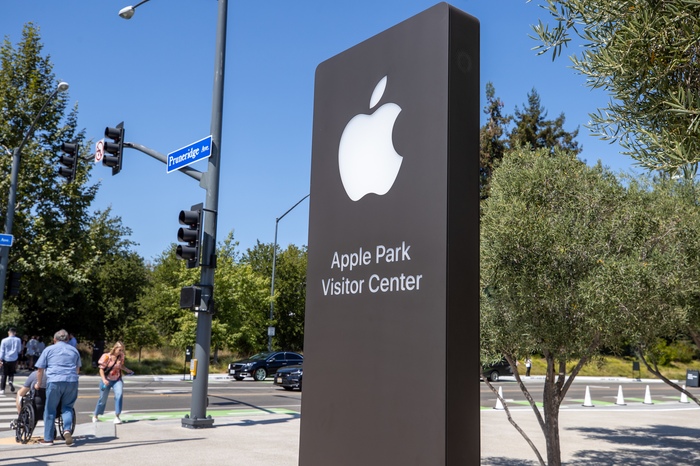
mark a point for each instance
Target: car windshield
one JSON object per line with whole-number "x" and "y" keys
{"x": 260, "y": 356}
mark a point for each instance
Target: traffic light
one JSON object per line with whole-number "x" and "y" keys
{"x": 15, "y": 282}
{"x": 191, "y": 235}
{"x": 69, "y": 161}
{"x": 115, "y": 148}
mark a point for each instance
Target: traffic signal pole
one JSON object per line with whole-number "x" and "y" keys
{"x": 210, "y": 182}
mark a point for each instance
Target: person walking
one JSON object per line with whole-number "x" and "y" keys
{"x": 40, "y": 345}
{"x": 528, "y": 366}
{"x": 22, "y": 361}
{"x": 72, "y": 341}
{"x": 10, "y": 349}
{"x": 60, "y": 363}
{"x": 111, "y": 366}
{"x": 31, "y": 352}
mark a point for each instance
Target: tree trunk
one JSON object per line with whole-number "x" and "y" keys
{"x": 139, "y": 355}
{"x": 695, "y": 336}
{"x": 550, "y": 402}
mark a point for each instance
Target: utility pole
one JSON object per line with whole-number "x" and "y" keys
{"x": 210, "y": 181}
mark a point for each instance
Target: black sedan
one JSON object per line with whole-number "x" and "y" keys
{"x": 495, "y": 371}
{"x": 289, "y": 378}
{"x": 263, "y": 364}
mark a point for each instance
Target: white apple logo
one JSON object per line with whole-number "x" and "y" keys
{"x": 367, "y": 159}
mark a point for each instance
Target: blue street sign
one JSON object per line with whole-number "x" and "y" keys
{"x": 189, "y": 154}
{"x": 6, "y": 240}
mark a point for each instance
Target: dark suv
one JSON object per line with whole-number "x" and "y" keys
{"x": 263, "y": 364}
{"x": 495, "y": 371}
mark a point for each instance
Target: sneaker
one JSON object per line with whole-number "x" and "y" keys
{"x": 94, "y": 419}
{"x": 44, "y": 443}
{"x": 117, "y": 420}
{"x": 12, "y": 387}
{"x": 69, "y": 437}
{"x": 2, "y": 392}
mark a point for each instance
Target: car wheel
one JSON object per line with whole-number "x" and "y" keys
{"x": 238, "y": 378}
{"x": 260, "y": 374}
{"x": 494, "y": 376}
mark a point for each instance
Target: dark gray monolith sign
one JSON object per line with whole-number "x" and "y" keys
{"x": 391, "y": 348}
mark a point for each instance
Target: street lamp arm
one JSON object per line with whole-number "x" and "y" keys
{"x": 302, "y": 199}
{"x": 191, "y": 172}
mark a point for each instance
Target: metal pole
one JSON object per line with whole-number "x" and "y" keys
{"x": 198, "y": 418}
{"x": 274, "y": 260}
{"x": 272, "y": 285}
{"x": 5, "y": 251}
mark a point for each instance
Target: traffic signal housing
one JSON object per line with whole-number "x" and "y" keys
{"x": 116, "y": 148}
{"x": 69, "y": 161}
{"x": 15, "y": 283}
{"x": 191, "y": 235}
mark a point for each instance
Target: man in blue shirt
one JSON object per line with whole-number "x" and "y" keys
{"x": 10, "y": 348}
{"x": 60, "y": 363}
{"x": 72, "y": 341}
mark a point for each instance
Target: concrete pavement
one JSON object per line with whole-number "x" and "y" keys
{"x": 662, "y": 434}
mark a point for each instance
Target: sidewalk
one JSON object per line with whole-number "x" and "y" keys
{"x": 654, "y": 436}
{"x": 258, "y": 440}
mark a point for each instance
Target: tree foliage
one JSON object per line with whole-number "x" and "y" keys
{"x": 77, "y": 270}
{"x": 645, "y": 54}
{"x": 529, "y": 127}
{"x": 573, "y": 261}
{"x": 290, "y": 291}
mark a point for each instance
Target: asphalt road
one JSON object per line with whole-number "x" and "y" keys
{"x": 143, "y": 396}
{"x": 161, "y": 399}
{"x": 602, "y": 392}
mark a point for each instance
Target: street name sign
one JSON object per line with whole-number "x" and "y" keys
{"x": 393, "y": 257}
{"x": 189, "y": 154}
{"x": 6, "y": 240}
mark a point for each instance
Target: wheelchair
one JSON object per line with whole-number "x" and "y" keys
{"x": 31, "y": 412}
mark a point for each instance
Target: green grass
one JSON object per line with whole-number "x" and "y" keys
{"x": 161, "y": 361}
{"x": 615, "y": 367}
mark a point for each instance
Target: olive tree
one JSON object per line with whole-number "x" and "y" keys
{"x": 570, "y": 265}
{"x": 645, "y": 54}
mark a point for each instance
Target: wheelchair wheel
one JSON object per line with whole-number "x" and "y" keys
{"x": 24, "y": 426}
{"x": 59, "y": 425}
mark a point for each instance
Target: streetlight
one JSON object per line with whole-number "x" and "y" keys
{"x": 274, "y": 260}
{"x": 5, "y": 251}
{"x": 210, "y": 181}
{"x": 128, "y": 12}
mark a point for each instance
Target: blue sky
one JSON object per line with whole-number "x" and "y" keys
{"x": 155, "y": 73}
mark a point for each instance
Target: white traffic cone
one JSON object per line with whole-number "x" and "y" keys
{"x": 620, "y": 399}
{"x": 647, "y": 397}
{"x": 684, "y": 397}
{"x": 499, "y": 405}
{"x": 587, "y": 402}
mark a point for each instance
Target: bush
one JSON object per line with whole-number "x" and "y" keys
{"x": 677, "y": 351}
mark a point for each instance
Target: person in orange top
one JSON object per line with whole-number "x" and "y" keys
{"x": 111, "y": 366}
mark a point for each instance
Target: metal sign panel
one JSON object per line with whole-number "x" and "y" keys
{"x": 189, "y": 154}
{"x": 393, "y": 262}
{"x": 99, "y": 150}
{"x": 6, "y": 240}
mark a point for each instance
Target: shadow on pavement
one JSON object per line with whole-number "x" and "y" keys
{"x": 497, "y": 461}
{"x": 59, "y": 450}
{"x": 653, "y": 445}
{"x": 251, "y": 422}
